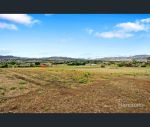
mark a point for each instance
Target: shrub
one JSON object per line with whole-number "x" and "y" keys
{"x": 83, "y": 80}
{"x": 102, "y": 66}
{"x": 143, "y": 65}
{"x": 31, "y": 65}
{"x": 128, "y": 65}
{"x": 12, "y": 63}
{"x": 37, "y": 63}
{"x": 87, "y": 74}
{"x": 22, "y": 82}
{"x": 13, "y": 88}
{"x": 120, "y": 65}
{"x": 76, "y": 63}
{"x": 5, "y": 65}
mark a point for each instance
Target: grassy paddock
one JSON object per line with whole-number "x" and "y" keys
{"x": 75, "y": 89}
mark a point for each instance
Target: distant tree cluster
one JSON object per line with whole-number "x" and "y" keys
{"x": 133, "y": 63}
{"x": 13, "y": 64}
{"x": 102, "y": 64}
{"x": 76, "y": 63}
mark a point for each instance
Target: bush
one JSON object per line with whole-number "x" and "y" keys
{"x": 31, "y": 65}
{"x": 87, "y": 74}
{"x": 13, "y": 88}
{"x": 143, "y": 65}
{"x": 12, "y": 63}
{"x": 125, "y": 64}
{"x": 120, "y": 65}
{"x": 76, "y": 63}
{"x": 83, "y": 80}
{"x": 128, "y": 65}
{"x": 102, "y": 66}
{"x": 37, "y": 63}
{"x": 5, "y": 65}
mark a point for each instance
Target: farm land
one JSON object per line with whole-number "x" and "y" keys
{"x": 75, "y": 89}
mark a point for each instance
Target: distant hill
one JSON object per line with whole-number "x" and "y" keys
{"x": 130, "y": 58}
{"x": 8, "y": 57}
{"x": 3, "y": 58}
{"x": 61, "y": 58}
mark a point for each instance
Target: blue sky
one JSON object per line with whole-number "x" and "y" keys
{"x": 74, "y": 35}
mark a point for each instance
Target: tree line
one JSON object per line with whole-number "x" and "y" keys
{"x": 133, "y": 63}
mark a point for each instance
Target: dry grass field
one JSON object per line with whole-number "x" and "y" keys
{"x": 75, "y": 89}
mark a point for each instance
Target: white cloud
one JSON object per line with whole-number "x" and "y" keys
{"x": 8, "y": 26}
{"x": 19, "y": 18}
{"x": 131, "y": 26}
{"x": 89, "y": 31}
{"x": 123, "y": 30}
{"x": 113, "y": 34}
{"x": 147, "y": 20}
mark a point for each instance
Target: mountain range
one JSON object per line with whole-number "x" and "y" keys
{"x": 136, "y": 57}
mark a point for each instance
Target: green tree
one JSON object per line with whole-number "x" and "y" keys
{"x": 5, "y": 65}
{"x": 12, "y": 62}
{"x": 37, "y": 63}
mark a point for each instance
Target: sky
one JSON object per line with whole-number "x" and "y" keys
{"x": 74, "y": 35}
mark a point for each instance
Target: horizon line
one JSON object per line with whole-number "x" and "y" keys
{"x": 76, "y": 57}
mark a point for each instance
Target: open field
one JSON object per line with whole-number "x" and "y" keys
{"x": 64, "y": 89}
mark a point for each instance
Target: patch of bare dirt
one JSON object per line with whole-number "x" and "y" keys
{"x": 109, "y": 96}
